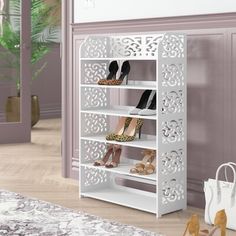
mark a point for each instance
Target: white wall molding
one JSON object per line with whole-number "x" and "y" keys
{"x": 158, "y": 24}
{"x": 106, "y": 10}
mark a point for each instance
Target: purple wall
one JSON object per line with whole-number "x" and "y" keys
{"x": 47, "y": 86}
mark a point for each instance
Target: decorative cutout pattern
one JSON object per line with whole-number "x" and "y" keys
{"x": 134, "y": 46}
{"x": 126, "y": 46}
{"x": 172, "y": 191}
{"x": 95, "y": 47}
{"x": 172, "y": 162}
{"x": 172, "y": 131}
{"x": 151, "y": 45}
{"x": 169, "y": 51}
{"x": 172, "y": 102}
{"x": 172, "y": 75}
{"x": 94, "y": 124}
{"x": 92, "y": 151}
{"x": 173, "y": 46}
{"x": 94, "y": 72}
{"x": 94, "y": 98}
{"x": 94, "y": 177}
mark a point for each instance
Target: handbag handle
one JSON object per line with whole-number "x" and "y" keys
{"x": 218, "y": 183}
{"x": 226, "y": 175}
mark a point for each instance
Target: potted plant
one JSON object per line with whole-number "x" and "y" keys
{"x": 44, "y": 31}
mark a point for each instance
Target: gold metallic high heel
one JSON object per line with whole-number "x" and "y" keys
{"x": 193, "y": 226}
{"x": 148, "y": 157}
{"x": 219, "y": 223}
{"x": 149, "y": 168}
{"x": 131, "y": 131}
{"x": 120, "y": 128}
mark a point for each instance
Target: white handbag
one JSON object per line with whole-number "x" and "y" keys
{"x": 221, "y": 195}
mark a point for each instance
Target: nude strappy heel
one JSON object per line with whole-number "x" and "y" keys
{"x": 103, "y": 161}
{"x": 115, "y": 158}
{"x": 148, "y": 158}
{"x": 149, "y": 168}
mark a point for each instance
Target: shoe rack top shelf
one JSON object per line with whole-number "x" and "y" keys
{"x": 116, "y": 58}
{"x": 118, "y": 111}
{"x": 132, "y": 47}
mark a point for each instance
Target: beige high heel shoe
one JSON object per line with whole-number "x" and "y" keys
{"x": 102, "y": 162}
{"x": 148, "y": 158}
{"x": 219, "y": 223}
{"x": 193, "y": 226}
{"x": 115, "y": 158}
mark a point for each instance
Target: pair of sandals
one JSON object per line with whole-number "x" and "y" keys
{"x": 193, "y": 225}
{"x": 147, "y": 166}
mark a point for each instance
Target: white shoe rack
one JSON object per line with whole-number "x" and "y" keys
{"x": 164, "y": 191}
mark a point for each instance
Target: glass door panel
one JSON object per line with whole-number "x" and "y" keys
{"x": 10, "y": 76}
{"x": 14, "y": 70}
{"x": 10, "y": 7}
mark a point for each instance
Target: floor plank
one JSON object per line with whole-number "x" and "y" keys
{"x": 34, "y": 170}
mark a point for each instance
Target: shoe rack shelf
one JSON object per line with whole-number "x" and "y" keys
{"x": 123, "y": 169}
{"x": 100, "y": 107}
{"x": 137, "y": 58}
{"x": 138, "y": 85}
{"x": 117, "y": 111}
{"x": 147, "y": 141}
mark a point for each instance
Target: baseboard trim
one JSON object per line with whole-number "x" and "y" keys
{"x": 195, "y": 192}
{"x": 50, "y": 112}
{"x": 46, "y": 112}
{"x": 2, "y": 116}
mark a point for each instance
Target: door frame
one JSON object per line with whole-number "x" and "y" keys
{"x": 20, "y": 132}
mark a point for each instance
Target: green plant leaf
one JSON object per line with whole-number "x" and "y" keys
{"x": 43, "y": 32}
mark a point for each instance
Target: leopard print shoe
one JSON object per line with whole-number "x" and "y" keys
{"x": 111, "y": 80}
{"x": 130, "y": 133}
{"x": 121, "y": 127}
{"x": 113, "y": 68}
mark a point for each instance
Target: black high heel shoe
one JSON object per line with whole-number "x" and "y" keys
{"x": 125, "y": 69}
{"x": 113, "y": 68}
{"x": 142, "y": 103}
{"x": 150, "y": 110}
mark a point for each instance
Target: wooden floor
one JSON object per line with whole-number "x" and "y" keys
{"x": 34, "y": 170}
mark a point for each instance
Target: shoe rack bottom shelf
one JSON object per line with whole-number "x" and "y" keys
{"x": 135, "y": 199}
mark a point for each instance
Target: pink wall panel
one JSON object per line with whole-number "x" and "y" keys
{"x": 205, "y": 106}
{"x": 47, "y": 86}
